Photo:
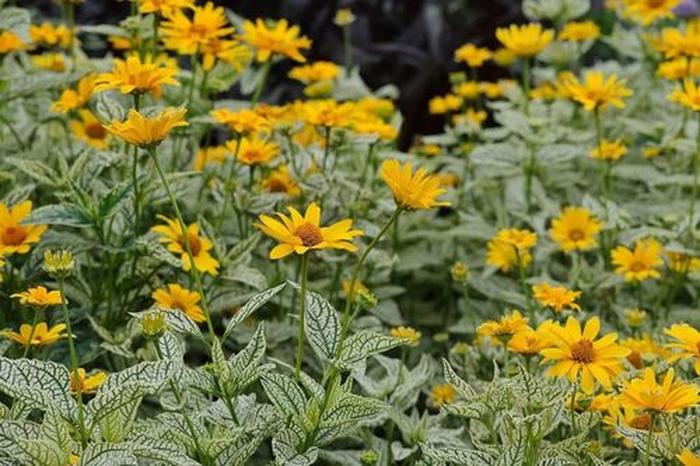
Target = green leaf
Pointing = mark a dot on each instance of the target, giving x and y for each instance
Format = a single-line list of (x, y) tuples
[(246, 365), (114, 410), (16, 20), (114, 199), (322, 326), (66, 214), (363, 344), (345, 413), (461, 456), (285, 394), (148, 374), (463, 389), (34, 169), (253, 304), (39, 384), (107, 454)]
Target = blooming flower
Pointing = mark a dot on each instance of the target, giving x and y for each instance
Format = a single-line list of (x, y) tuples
[(189, 35), (411, 190), (688, 95), (445, 104), (687, 340), (172, 235), (277, 40), (15, 237), (40, 335), (510, 247), (443, 394), (144, 131), (557, 298), (598, 91), (39, 296), (315, 72), (687, 458), (639, 264), (253, 150), (472, 55), (89, 130), (411, 335), (508, 325), (681, 262), (609, 150), (10, 42), (649, 11), (74, 99), (579, 31), (575, 229), (135, 76), (526, 40), (527, 342), (175, 297), (671, 396), (163, 7), (209, 156), (55, 62), (280, 181), (49, 35), (87, 384)]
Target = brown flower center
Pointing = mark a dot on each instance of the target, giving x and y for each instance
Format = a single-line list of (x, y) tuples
[(13, 236), (276, 186), (195, 244), (576, 235), (310, 234), (641, 422), (177, 305), (95, 131), (635, 358), (582, 352), (637, 266)]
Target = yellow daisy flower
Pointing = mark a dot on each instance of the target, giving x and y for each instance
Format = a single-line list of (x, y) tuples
[(178, 298), (671, 396), (557, 298), (39, 296), (49, 35), (241, 122), (10, 42), (411, 335), (172, 235), (511, 247), (687, 458), (277, 40), (682, 263), (639, 264), (188, 36), (579, 31), (609, 150), (144, 131), (597, 91), (472, 55), (74, 99), (50, 61), (527, 342), (525, 40), (443, 394), (315, 72), (445, 104), (254, 150), (687, 340), (649, 11), (575, 229), (280, 181), (40, 335), (507, 326), (15, 237), (163, 7), (412, 190), (214, 155), (89, 130), (688, 95), (87, 384), (135, 76)]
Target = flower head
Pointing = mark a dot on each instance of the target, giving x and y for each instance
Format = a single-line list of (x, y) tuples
[(579, 31), (281, 181), (39, 296), (409, 334), (241, 122), (687, 458), (344, 17), (688, 95), (597, 91), (163, 7), (254, 150), (472, 55), (47, 34), (279, 39), (687, 341), (635, 317), (412, 190), (639, 264), (171, 234), (557, 298), (611, 151), (649, 11), (190, 34), (670, 396), (15, 237), (209, 156), (527, 342), (443, 394), (507, 326), (135, 76), (73, 99), (511, 247), (575, 229), (10, 42), (682, 262), (86, 384), (526, 40), (445, 104), (144, 131), (300, 234), (41, 335), (175, 297), (88, 129), (55, 62), (315, 72)]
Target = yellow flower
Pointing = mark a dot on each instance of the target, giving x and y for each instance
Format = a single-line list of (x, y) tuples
[(351, 291), (492, 90), (641, 348), (648, 11), (411, 190), (42, 335), (178, 298), (670, 396), (635, 317), (687, 458), (344, 17), (609, 150), (50, 61), (579, 31), (575, 229), (411, 335), (557, 298), (507, 326), (300, 234), (327, 113), (376, 127), (641, 263), (525, 40), (254, 150), (144, 131), (228, 51), (578, 353), (135, 76), (679, 68), (39, 296), (510, 247), (86, 384), (123, 43), (89, 130), (163, 7), (651, 152), (209, 156), (278, 40), (503, 57), (15, 237), (468, 90), (443, 394), (527, 342), (676, 43), (74, 99), (243, 121), (49, 35), (10, 42), (688, 95), (315, 72), (682, 263), (188, 36), (280, 181), (445, 104), (172, 235), (597, 91), (688, 341), (472, 55)]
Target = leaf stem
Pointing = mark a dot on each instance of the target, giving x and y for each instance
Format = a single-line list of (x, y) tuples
[(302, 315)]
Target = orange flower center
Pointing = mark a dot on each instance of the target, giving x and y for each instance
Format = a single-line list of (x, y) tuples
[(582, 352), (576, 235), (195, 244), (276, 186), (635, 358), (637, 266), (310, 234), (176, 304), (641, 422), (95, 131), (13, 235)]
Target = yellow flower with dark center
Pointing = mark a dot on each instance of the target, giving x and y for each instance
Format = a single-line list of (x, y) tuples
[(163, 7), (175, 297), (609, 150), (253, 150), (280, 39), (86, 384), (40, 336), (135, 76), (646, 12), (577, 353), (472, 55), (596, 91), (280, 181), (639, 264), (679, 68), (443, 394), (89, 130), (445, 104), (579, 31), (328, 113), (145, 131), (300, 234), (511, 247), (412, 190), (635, 317), (527, 342), (228, 51), (10, 42), (674, 42), (241, 122), (172, 236), (671, 396), (575, 229), (410, 334), (39, 296), (188, 36), (49, 35), (687, 458), (74, 99), (315, 72), (214, 155), (525, 40), (682, 263), (507, 326), (687, 341), (50, 61), (641, 348), (688, 95), (15, 237), (557, 298)]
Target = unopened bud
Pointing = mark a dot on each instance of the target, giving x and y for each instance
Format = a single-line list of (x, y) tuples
[(58, 263), (153, 324)]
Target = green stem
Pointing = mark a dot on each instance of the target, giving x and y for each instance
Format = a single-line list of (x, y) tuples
[(261, 84), (696, 184), (229, 182), (526, 86), (31, 333), (650, 436), (302, 315), (523, 285), (327, 147)]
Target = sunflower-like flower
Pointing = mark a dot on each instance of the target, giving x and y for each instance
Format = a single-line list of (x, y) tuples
[(315, 72), (145, 131), (611, 151), (409, 334), (241, 122), (679, 68), (526, 40), (687, 458), (442, 394), (55, 62), (300, 234), (681, 262), (511, 247), (15, 237), (88, 129), (557, 298), (214, 155), (674, 42), (49, 35), (135, 76), (642, 348), (188, 36), (597, 91), (577, 353), (164, 7), (280, 181), (175, 297), (527, 342), (87, 384), (671, 396), (648, 11), (579, 31), (472, 55), (507, 326), (226, 50), (639, 264), (254, 150), (10, 42), (278, 40), (688, 95), (39, 296), (40, 335), (74, 99), (575, 229), (412, 190), (439, 105), (687, 340), (172, 236)]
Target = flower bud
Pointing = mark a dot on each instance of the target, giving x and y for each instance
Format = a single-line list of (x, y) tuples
[(58, 263), (344, 17), (369, 458), (153, 324), (460, 273)]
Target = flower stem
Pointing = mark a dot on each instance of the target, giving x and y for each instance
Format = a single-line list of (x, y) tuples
[(650, 436), (261, 84), (695, 191), (526, 86), (229, 182), (302, 315)]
